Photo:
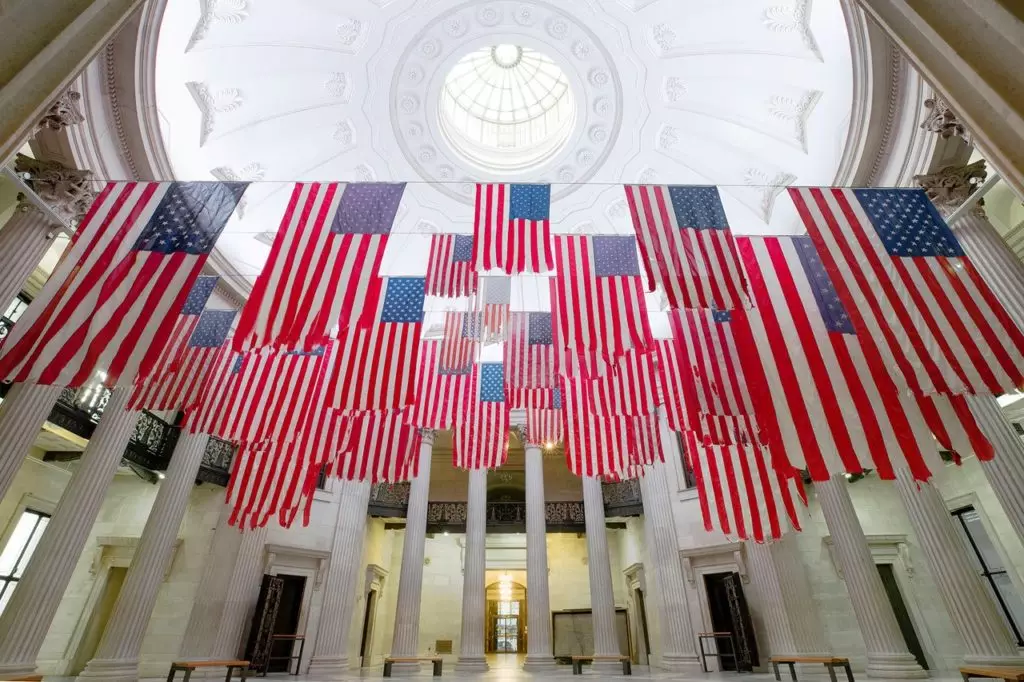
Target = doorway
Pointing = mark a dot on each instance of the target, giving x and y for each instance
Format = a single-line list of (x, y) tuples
[(644, 649), (366, 640), (287, 622), (506, 617), (899, 607), (727, 606), (98, 619)]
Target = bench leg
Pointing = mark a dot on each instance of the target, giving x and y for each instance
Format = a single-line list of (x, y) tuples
[(775, 668), (849, 672), (792, 670), (172, 674), (965, 676), (831, 672), (437, 668), (387, 668)]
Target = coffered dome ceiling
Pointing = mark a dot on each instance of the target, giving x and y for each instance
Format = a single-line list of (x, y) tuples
[(752, 95)]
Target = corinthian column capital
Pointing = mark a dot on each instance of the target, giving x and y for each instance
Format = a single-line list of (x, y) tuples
[(68, 191), (62, 113), (950, 187), (943, 121)]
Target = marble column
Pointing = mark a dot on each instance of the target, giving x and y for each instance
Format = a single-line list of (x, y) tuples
[(471, 646), (677, 649), (24, 240), (539, 655), (240, 598), (117, 657), (406, 640), (986, 638), (25, 621), (602, 596), (888, 655), (22, 414), (1005, 471), (330, 658)]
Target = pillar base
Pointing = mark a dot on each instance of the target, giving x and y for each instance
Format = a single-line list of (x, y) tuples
[(1007, 661), (327, 667), (680, 663), (539, 663), (895, 666), (471, 664), (111, 670), (16, 669), (405, 669)]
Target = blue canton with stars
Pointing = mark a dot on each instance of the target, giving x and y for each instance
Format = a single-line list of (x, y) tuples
[(497, 290), (315, 351), (492, 382), (368, 208), (530, 202), (472, 325), (615, 255), (463, 250), (540, 329), (832, 310), (721, 316), (556, 398), (200, 294), (908, 223), (403, 301), (212, 329), (190, 217), (698, 207), (236, 366)]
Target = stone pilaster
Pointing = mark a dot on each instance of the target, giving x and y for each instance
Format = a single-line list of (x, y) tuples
[(406, 640), (471, 647), (25, 621), (539, 656), (117, 658), (888, 655), (22, 414), (331, 658), (1005, 471), (602, 597)]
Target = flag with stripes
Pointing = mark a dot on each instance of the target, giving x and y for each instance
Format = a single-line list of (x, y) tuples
[(687, 247), (450, 270), (381, 447), (459, 341), (628, 390), (217, 393), (492, 305), (114, 300), (824, 401), (544, 424), (323, 265), (480, 432), (599, 297), (530, 358), (673, 378), (437, 393), (512, 228), (594, 445), (375, 364)]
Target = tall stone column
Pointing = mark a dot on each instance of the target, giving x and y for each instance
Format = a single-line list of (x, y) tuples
[(22, 414), (30, 612), (677, 650), (471, 647), (406, 640), (971, 609), (117, 658), (243, 591), (1005, 471), (602, 596), (330, 659), (888, 655), (540, 655)]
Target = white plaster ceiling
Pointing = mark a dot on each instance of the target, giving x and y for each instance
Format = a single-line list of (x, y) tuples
[(752, 95)]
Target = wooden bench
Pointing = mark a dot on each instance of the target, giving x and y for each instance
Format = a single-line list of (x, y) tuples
[(436, 660), (998, 673), (25, 678), (189, 666), (829, 661), (577, 663)]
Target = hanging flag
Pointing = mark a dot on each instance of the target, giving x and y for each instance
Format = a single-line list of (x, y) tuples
[(217, 394), (480, 432), (458, 344), (905, 280), (594, 445), (599, 297), (628, 390), (438, 393), (493, 304), (646, 442), (382, 447), (323, 265), (450, 270), (687, 247), (544, 424), (530, 358), (374, 368), (512, 228), (673, 377), (114, 299)]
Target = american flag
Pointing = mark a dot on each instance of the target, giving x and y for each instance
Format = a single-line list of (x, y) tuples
[(740, 493), (480, 433), (114, 300), (375, 365), (823, 401), (687, 246), (450, 270), (217, 394), (599, 297), (530, 357), (629, 390), (903, 276), (594, 445), (544, 424), (512, 228), (493, 303), (673, 379), (381, 447), (459, 342), (438, 394), (323, 265)]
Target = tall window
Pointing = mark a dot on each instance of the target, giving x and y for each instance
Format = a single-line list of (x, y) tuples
[(689, 480), (990, 565), (19, 550)]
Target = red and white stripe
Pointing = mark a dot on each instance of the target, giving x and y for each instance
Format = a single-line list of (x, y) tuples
[(106, 306), (696, 268), (437, 396), (646, 441), (521, 398), (382, 447), (216, 394), (457, 349), (445, 276), (673, 383), (314, 278), (480, 431), (528, 365), (543, 426), (628, 390), (165, 386), (594, 445), (512, 245)]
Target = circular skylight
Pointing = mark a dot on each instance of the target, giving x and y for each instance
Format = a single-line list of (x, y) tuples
[(507, 108)]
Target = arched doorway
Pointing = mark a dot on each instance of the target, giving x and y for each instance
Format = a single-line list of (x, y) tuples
[(506, 617)]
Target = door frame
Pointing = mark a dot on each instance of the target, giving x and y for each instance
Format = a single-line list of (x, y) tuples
[(311, 565)]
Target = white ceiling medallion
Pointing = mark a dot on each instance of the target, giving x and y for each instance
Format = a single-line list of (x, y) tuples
[(211, 103), (213, 11), (582, 86)]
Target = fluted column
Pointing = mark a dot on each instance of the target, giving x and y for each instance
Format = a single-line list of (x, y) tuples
[(539, 655), (330, 659), (471, 647), (243, 591), (22, 414), (888, 655), (1005, 471), (24, 240), (602, 596), (406, 640), (971, 609), (28, 615), (117, 658)]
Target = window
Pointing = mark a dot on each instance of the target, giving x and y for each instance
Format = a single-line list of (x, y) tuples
[(19, 550), (987, 561), (689, 480), (321, 478)]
